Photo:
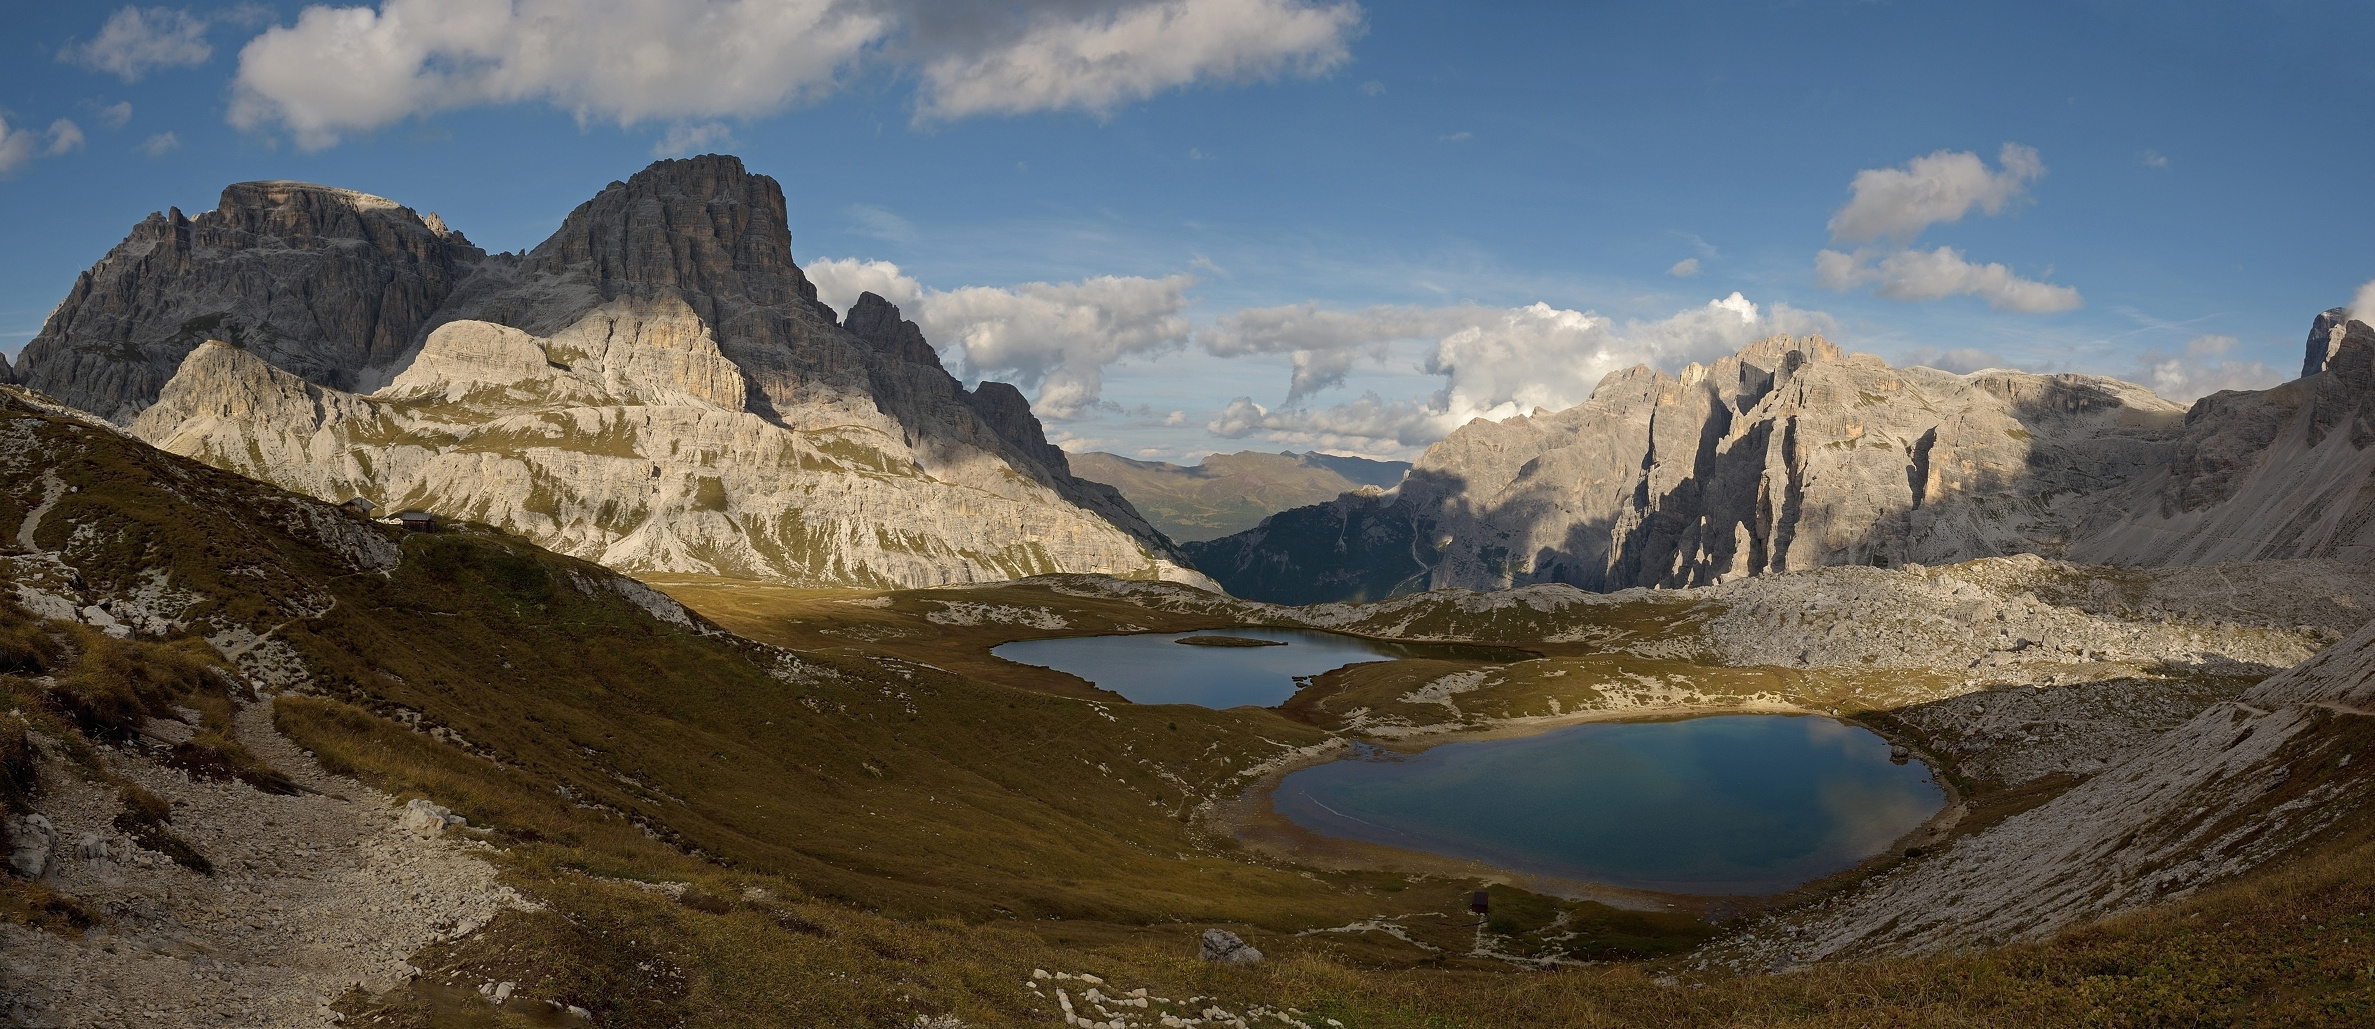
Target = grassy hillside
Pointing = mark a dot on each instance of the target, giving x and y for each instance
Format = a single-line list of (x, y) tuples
[(854, 816), (1227, 494)]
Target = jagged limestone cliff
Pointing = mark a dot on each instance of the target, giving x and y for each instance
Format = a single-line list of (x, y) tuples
[(2263, 475), (655, 387), (1790, 454), (333, 285)]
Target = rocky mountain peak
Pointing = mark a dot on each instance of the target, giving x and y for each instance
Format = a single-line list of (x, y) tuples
[(704, 226), (2325, 339), (877, 321), (1776, 348)]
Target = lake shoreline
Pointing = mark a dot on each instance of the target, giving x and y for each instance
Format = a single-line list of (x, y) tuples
[(1251, 818)]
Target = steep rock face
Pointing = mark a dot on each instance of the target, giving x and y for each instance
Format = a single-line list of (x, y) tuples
[(2263, 475), (657, 387), (333, 285), (1790, 454)]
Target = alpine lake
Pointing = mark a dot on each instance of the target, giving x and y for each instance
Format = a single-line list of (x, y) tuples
[(1728, 804)]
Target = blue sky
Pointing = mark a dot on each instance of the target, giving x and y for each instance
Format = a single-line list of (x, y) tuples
[(1279, 223)]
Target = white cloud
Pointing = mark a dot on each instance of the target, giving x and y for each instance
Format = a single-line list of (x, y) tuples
[(1898, 203), (116, 115), (65, 137), (19, 147), (342, 70), (136, 41), (684, 139), (1495, 362), (1055, 338), (1373, 88), (840, 280), (1686, 268), (2203, 369), (1099, 62), (2362, 306), (1455, 137), (1917, 275), (2153, 159), (355, 69), (159, 145)]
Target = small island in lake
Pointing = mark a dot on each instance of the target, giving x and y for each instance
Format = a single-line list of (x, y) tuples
[(1227, 641)]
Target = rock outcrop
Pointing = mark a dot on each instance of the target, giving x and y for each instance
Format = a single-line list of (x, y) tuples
[(1788, 455), (335, 286), (2263, 475), (2242, 784), (655, 387)]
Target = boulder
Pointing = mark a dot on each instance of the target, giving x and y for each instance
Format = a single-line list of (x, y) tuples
[(30, 840), (422, 818), (1225, 948)]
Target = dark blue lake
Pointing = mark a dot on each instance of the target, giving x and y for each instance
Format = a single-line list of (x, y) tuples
[(1151, 668), (1729, 804)]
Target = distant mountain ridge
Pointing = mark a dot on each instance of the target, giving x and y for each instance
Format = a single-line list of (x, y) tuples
[(1794, 454), (655, 387), (1229, 493)]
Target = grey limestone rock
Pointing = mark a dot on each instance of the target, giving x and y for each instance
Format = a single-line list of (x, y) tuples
[(30, 840), (335, 286), (655, 387), (1791, 454), (1223, 947)]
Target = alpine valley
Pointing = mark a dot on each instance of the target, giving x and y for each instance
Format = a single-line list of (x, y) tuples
[(684, 713)]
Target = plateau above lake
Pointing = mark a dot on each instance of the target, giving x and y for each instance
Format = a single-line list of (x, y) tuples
[(1147, 668), (1727, 804)]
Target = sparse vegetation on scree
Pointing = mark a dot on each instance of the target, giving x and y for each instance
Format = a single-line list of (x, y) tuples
[(860, 818)]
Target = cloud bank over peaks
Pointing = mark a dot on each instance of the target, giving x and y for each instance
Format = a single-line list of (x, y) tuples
[(2202, 369), (1055, 338), (1898, 204), (344, 70), (1495, 363)]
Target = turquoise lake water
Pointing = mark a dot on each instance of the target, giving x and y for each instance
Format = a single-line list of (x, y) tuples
[(1149, 668), (1729, 804)]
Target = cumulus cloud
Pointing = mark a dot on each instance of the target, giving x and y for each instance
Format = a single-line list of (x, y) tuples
[(2362, 307), (2202, 369), (343, 70), (1099, 62), (159, 145), (354, 69), (1495, 362), (1686, 268), (19, 147), (136, 41), (1916, 275), (115, 116), (1055, 337), (1898, 203)]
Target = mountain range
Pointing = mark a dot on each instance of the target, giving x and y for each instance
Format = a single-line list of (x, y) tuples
[(1229, 493), (655, 387), (1795, 454)]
